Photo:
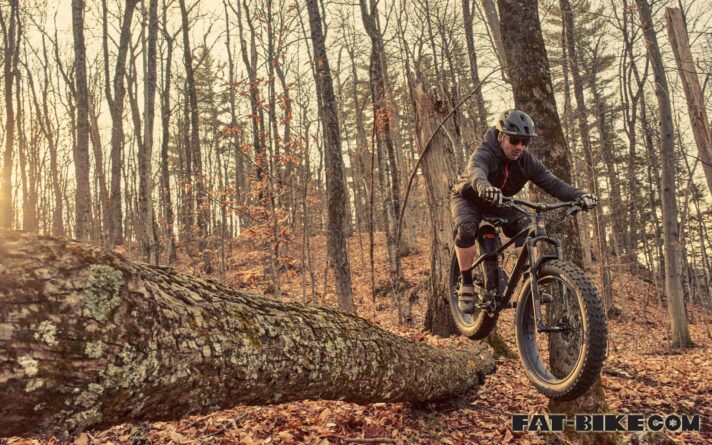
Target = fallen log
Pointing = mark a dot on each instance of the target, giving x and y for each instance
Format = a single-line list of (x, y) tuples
[(89, 339)]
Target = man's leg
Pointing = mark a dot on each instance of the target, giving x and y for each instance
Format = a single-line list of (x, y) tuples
[(467, 218), (465, 256), (465, 250)]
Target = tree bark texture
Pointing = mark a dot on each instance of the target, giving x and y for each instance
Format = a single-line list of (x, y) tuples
[(439, 170), (146, 149), (201, 197), (116, 106), (337, 195), (11, 33), (387, 171), (82, 201), (166, 112), (671, 229), (693, 92), (90, 339), (534, 94)]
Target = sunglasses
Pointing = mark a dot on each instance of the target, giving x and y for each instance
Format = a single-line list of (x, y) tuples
[(516, 140)]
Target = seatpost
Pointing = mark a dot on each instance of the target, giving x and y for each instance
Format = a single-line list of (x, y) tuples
[(540, 224)]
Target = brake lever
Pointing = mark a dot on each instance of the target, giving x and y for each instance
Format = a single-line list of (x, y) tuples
[(574, 209)]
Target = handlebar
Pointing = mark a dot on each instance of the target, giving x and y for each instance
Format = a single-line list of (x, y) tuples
[(541, 206)]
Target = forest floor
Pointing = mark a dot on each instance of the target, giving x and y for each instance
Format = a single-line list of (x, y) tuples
[(640, 375)]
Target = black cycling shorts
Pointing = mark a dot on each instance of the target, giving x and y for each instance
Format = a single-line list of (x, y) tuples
[(471, 210)]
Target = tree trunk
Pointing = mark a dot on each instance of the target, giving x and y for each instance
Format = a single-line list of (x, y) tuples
[(250, 60), (673, 264), (387, 174), (335, 188), (584, 131), (632, 101), (439, 169), (693, 91), (51, 137), (82, 198), (11, 33), (490, 11), (533, 93), (116, 106), (201, 199), (110, 341), (99, 173), (146, 149), (570, 136), (52, 146), (481, 119)]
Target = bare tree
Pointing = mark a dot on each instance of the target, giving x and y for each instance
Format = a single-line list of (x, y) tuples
[(197, 157), (82, 199), (116, 107), (673, 262), (146, 149), (335, 187), (534, 93), (166, 199), (693, 92), (584, 132), (11, 29), (493, 23), (387, 172), (481, 118)]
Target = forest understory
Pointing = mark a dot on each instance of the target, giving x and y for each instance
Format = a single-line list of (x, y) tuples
[(640, 375)]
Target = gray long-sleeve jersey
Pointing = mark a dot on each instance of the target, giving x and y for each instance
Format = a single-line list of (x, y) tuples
[(488, 165)]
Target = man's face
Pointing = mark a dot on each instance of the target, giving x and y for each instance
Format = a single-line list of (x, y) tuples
[(513, 146)]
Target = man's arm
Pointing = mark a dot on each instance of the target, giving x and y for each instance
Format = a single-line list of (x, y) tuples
[(478, 170), (552, 185)]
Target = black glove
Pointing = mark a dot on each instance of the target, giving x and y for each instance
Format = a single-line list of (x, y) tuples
[(587, 201), (491, 194)]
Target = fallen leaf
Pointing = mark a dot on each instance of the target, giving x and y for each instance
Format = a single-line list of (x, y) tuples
[(508, 436), (175, 436), (325, 414)]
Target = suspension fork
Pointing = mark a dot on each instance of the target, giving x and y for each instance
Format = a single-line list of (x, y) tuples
[(535, 260)]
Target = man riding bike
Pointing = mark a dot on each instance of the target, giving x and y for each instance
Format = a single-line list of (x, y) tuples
[(501, 166)]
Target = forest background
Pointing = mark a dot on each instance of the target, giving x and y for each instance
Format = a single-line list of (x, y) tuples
[(179, 132)]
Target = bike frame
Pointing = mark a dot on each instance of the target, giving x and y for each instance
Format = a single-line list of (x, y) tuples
[(528, 264)]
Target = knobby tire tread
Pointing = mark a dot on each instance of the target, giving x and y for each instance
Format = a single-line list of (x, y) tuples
[(590, 367)]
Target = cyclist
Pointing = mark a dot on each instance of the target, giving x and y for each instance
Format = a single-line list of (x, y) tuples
[(501, 166)]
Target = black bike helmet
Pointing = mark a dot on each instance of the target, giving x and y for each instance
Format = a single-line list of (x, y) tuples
[(516, 123)]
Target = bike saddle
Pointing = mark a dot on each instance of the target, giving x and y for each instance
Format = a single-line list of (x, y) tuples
[(495, 220)]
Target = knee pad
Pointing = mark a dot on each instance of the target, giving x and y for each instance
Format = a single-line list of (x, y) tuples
[(466, 235)]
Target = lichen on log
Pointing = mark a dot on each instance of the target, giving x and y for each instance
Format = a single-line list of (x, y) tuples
[(89, 339)]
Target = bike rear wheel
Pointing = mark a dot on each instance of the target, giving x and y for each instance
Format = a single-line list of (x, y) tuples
[(562, 365), (479, 324)]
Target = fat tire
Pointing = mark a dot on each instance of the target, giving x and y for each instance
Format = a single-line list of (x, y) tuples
[(482, 324), (593, 350)]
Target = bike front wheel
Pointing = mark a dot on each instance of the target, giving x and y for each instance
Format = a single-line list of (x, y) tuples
[(562, 364)]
